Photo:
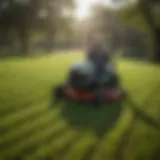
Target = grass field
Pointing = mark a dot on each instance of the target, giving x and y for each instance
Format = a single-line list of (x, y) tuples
[(31, 129)]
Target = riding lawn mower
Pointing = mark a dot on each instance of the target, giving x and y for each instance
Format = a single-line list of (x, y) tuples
[(83, 84)]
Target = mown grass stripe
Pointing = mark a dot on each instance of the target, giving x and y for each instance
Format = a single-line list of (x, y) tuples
[(38, 138), (29, 127), (32, 151), (56, 145), (22, 115), (59, 151), (80, 148), (7, 109), (59, 154)]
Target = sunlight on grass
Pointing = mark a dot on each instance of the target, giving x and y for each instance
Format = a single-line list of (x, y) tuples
[(30, 129)]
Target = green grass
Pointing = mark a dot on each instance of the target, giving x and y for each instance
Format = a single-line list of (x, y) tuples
[(31, 129)]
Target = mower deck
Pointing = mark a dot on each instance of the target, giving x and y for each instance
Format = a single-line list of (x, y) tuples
[(89, 95)]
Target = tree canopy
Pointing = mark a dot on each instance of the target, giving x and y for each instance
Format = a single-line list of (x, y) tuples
[(25, 16), (144, 15)]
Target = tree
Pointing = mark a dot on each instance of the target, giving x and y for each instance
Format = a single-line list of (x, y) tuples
[(147, 9), (108, 24), (150, 11), (134, 44), (54, 20), (24, 18)]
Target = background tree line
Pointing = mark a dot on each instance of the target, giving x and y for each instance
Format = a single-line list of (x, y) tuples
[(132, 30)]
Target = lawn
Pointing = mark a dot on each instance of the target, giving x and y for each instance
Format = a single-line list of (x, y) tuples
[(30, 128)]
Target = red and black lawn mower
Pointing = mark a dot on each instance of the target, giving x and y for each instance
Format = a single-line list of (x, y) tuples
[(83, 86)]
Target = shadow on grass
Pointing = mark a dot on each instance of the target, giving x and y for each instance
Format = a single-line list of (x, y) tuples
[(86, 118), (141, 115), (138, 114)]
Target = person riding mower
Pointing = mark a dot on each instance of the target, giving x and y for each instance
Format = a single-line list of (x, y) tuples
[(83, 84), (94, 80)]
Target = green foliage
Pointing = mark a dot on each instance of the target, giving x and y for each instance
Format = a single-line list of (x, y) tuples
[(148, 12), (30, 129), (133, 18), (25, 19)]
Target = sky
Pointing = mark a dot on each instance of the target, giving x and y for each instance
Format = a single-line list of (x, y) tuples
[(84, 6)]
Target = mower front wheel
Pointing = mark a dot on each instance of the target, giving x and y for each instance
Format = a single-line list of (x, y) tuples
[(58, 92)]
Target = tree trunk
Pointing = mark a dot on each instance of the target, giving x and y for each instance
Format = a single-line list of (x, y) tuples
[(50, 39), (145, 8), (24, 39), (156, 56), (50, 28)]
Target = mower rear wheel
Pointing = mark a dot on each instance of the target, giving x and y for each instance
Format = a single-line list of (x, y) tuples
[(58, 92)]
